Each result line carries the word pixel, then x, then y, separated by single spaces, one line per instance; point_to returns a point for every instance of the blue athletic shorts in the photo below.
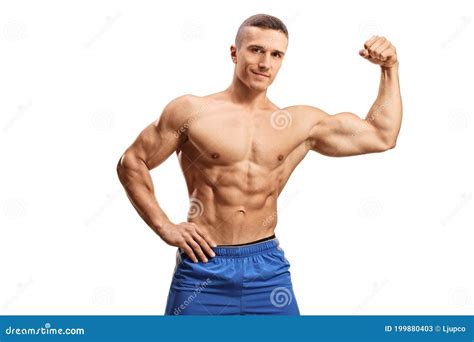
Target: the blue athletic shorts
pixel 243 280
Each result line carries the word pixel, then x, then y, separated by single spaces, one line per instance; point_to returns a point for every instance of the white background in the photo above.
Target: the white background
pixel 388 233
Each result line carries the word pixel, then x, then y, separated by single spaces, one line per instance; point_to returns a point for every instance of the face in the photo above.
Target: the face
pixel 259 57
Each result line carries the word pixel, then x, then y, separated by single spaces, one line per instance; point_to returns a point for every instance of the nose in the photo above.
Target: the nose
pixel 264 63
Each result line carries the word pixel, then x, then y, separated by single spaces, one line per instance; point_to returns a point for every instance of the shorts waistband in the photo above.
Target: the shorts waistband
pixel 240 251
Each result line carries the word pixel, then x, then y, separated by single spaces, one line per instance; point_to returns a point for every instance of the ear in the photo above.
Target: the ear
pixel 233 53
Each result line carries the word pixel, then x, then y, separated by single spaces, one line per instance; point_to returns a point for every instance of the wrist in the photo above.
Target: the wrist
pixel 160 226
pixel 391 68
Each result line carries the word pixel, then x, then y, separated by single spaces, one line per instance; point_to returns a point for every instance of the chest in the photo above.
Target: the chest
pixel 227 138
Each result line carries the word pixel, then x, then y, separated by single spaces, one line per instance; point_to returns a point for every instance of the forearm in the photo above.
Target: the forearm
pixel 136 180
pixel 386 112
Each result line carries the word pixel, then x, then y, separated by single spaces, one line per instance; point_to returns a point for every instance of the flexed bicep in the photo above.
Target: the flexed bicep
pixel 345 134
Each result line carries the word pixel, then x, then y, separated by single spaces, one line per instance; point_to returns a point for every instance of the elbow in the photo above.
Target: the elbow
pixel 129 164
pixel 120 168
pixel 388 141
pixel 120 162
pixel 391 144
pixel 120 172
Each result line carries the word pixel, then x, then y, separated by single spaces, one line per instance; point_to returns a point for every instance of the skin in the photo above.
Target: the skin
pixel 237 149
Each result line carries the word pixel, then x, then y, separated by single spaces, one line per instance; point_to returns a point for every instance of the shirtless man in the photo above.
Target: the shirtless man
pixel 237 150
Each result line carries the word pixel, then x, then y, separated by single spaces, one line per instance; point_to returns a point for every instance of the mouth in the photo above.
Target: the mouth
pixel 260 74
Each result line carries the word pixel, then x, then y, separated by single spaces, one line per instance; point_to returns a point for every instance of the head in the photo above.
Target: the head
pixel 260 45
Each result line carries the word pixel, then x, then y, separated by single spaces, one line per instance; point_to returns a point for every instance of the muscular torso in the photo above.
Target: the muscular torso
pixel 236 163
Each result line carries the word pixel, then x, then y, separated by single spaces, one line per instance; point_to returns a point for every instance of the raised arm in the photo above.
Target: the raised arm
pixel 346 134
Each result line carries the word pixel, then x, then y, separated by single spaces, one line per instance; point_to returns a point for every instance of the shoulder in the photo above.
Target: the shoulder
pixel 181 109
pixel 183 105
pixel 305 113
pixel 305 110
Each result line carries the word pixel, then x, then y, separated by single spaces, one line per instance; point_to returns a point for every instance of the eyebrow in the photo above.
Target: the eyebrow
pixel 263 47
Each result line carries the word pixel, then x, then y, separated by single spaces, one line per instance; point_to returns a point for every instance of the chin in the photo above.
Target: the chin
pixel 258 86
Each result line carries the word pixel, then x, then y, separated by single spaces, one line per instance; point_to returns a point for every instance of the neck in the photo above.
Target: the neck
pixel 246 97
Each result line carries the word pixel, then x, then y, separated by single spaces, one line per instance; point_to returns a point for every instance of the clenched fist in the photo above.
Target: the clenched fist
pixel 380 51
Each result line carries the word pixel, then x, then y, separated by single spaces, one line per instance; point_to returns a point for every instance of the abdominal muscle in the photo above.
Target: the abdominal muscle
pixel 232 204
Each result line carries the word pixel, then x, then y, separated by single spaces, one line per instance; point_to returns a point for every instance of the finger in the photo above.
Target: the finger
pixel 390 51
pixel 377 52
pixel 364 53
pixel 372 59
pixel 204 245
pixel 188 250
pixel 202 233
pixel 369 42
pixel 377 43
pixel 386 53
pixel 206 237
pixel 373 48
pixel 391 54
pixel 382 47
pixel 197 249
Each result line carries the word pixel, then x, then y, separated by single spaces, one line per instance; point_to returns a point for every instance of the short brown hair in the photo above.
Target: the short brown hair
pixel 263 21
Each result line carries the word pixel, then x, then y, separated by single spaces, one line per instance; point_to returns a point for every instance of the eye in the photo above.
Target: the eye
pixel 256 49
pixel 276 54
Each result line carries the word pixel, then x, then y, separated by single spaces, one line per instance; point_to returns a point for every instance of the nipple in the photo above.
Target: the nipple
pixel 280 156
pixel 215 155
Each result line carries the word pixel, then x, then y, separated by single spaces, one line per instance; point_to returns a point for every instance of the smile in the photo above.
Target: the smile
pixel 261 75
